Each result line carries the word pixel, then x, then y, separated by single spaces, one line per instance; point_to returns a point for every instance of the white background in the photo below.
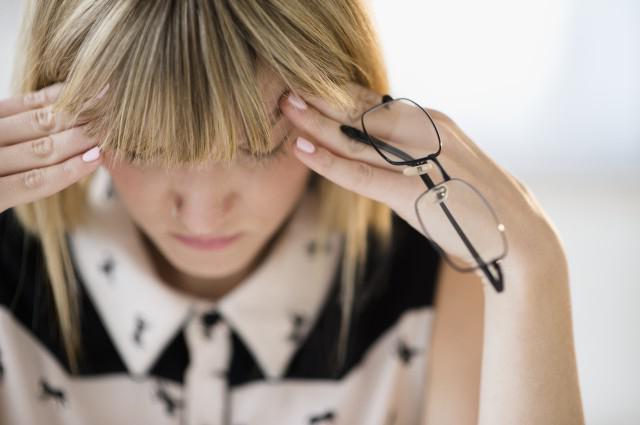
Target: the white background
pixel 550 90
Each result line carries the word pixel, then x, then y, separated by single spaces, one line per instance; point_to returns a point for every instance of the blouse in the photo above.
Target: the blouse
pixel 264 353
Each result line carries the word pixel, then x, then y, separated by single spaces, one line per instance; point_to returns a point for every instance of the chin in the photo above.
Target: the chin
pixel 209 264
pixel 210 271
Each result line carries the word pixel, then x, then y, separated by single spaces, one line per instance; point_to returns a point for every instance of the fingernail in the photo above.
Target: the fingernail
pixel 305 145
pixel 92 154
pixel 297 101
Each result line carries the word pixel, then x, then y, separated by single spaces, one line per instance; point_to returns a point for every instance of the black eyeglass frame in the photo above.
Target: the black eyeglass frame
pixel 363 137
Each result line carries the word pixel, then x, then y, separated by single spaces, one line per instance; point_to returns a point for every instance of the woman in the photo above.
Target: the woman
pixel 188 237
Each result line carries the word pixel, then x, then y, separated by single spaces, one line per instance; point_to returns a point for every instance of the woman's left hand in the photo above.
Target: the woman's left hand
pixel 359 168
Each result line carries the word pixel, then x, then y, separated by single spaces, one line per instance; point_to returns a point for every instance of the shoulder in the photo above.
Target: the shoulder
pixel 21 264
pixel 11 244
pixel 395 284
pixel 27 298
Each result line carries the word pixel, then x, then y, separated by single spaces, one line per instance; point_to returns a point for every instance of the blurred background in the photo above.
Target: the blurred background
pixel 550 90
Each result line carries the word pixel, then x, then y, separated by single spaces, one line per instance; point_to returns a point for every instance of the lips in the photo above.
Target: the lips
pixel 210 243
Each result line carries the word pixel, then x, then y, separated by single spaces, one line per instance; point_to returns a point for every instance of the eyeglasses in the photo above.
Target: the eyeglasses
pixel 452 213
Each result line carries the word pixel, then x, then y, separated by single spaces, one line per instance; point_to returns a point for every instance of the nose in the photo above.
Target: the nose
pixel 205 201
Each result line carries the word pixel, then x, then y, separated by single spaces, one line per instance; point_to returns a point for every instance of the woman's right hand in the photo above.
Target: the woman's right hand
pixel 41 153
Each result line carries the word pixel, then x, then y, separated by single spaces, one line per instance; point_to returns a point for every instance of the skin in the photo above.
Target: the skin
pixel 254 197
pixel 41 154
pixel 528 366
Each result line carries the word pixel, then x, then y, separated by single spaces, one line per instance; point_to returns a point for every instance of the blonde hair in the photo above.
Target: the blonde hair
pixel 186 70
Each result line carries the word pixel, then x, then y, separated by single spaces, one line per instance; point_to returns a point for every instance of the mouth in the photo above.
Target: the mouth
pixel 208 243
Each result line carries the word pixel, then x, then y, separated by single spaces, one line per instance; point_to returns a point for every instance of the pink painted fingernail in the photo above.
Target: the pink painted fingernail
pixel 297 101
pixel 305 145
pixel 92 154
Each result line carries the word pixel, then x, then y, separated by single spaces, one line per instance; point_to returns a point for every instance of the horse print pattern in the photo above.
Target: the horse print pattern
pixel 298 322
pixel 107 267
pixel 406 353
pixel 48 391
pixel 313 246
pixel 171 404
pixel 208 320
pixel 146 341
pixel 328 417
pixel 220 374
pixel 141 326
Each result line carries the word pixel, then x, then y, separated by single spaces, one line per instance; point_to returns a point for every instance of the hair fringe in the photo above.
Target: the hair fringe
pixel 186 70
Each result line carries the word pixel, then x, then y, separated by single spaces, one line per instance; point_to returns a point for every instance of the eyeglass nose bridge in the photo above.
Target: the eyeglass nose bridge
pixel 417 170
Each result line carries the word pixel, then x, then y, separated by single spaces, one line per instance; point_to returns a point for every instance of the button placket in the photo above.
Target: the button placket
pixel 209 342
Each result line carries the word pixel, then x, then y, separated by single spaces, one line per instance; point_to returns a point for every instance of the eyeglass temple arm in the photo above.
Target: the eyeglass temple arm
pixel 359 136
pixel 496 281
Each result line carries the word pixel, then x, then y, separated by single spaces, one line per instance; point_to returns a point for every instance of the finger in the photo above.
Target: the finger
pixel 38 183
pixel 44 151
pixel 390 188
pixel 405 123
pixel 31 100
pixel 363 98
pixel 326 131
pixel 33 124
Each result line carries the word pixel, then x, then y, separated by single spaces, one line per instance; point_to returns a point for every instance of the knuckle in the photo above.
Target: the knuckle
pixel 33 178
pixel 43 119
pixel 79 132
pixel 319 121
pixel 326 161
pixel 363 174
pixel 373 99
pixel 442 120
pixel 34 98
pixel 364 99
pixel 355 147
pixel 69 168
pixel 42 147
pixel 353 115
pixel 367 97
